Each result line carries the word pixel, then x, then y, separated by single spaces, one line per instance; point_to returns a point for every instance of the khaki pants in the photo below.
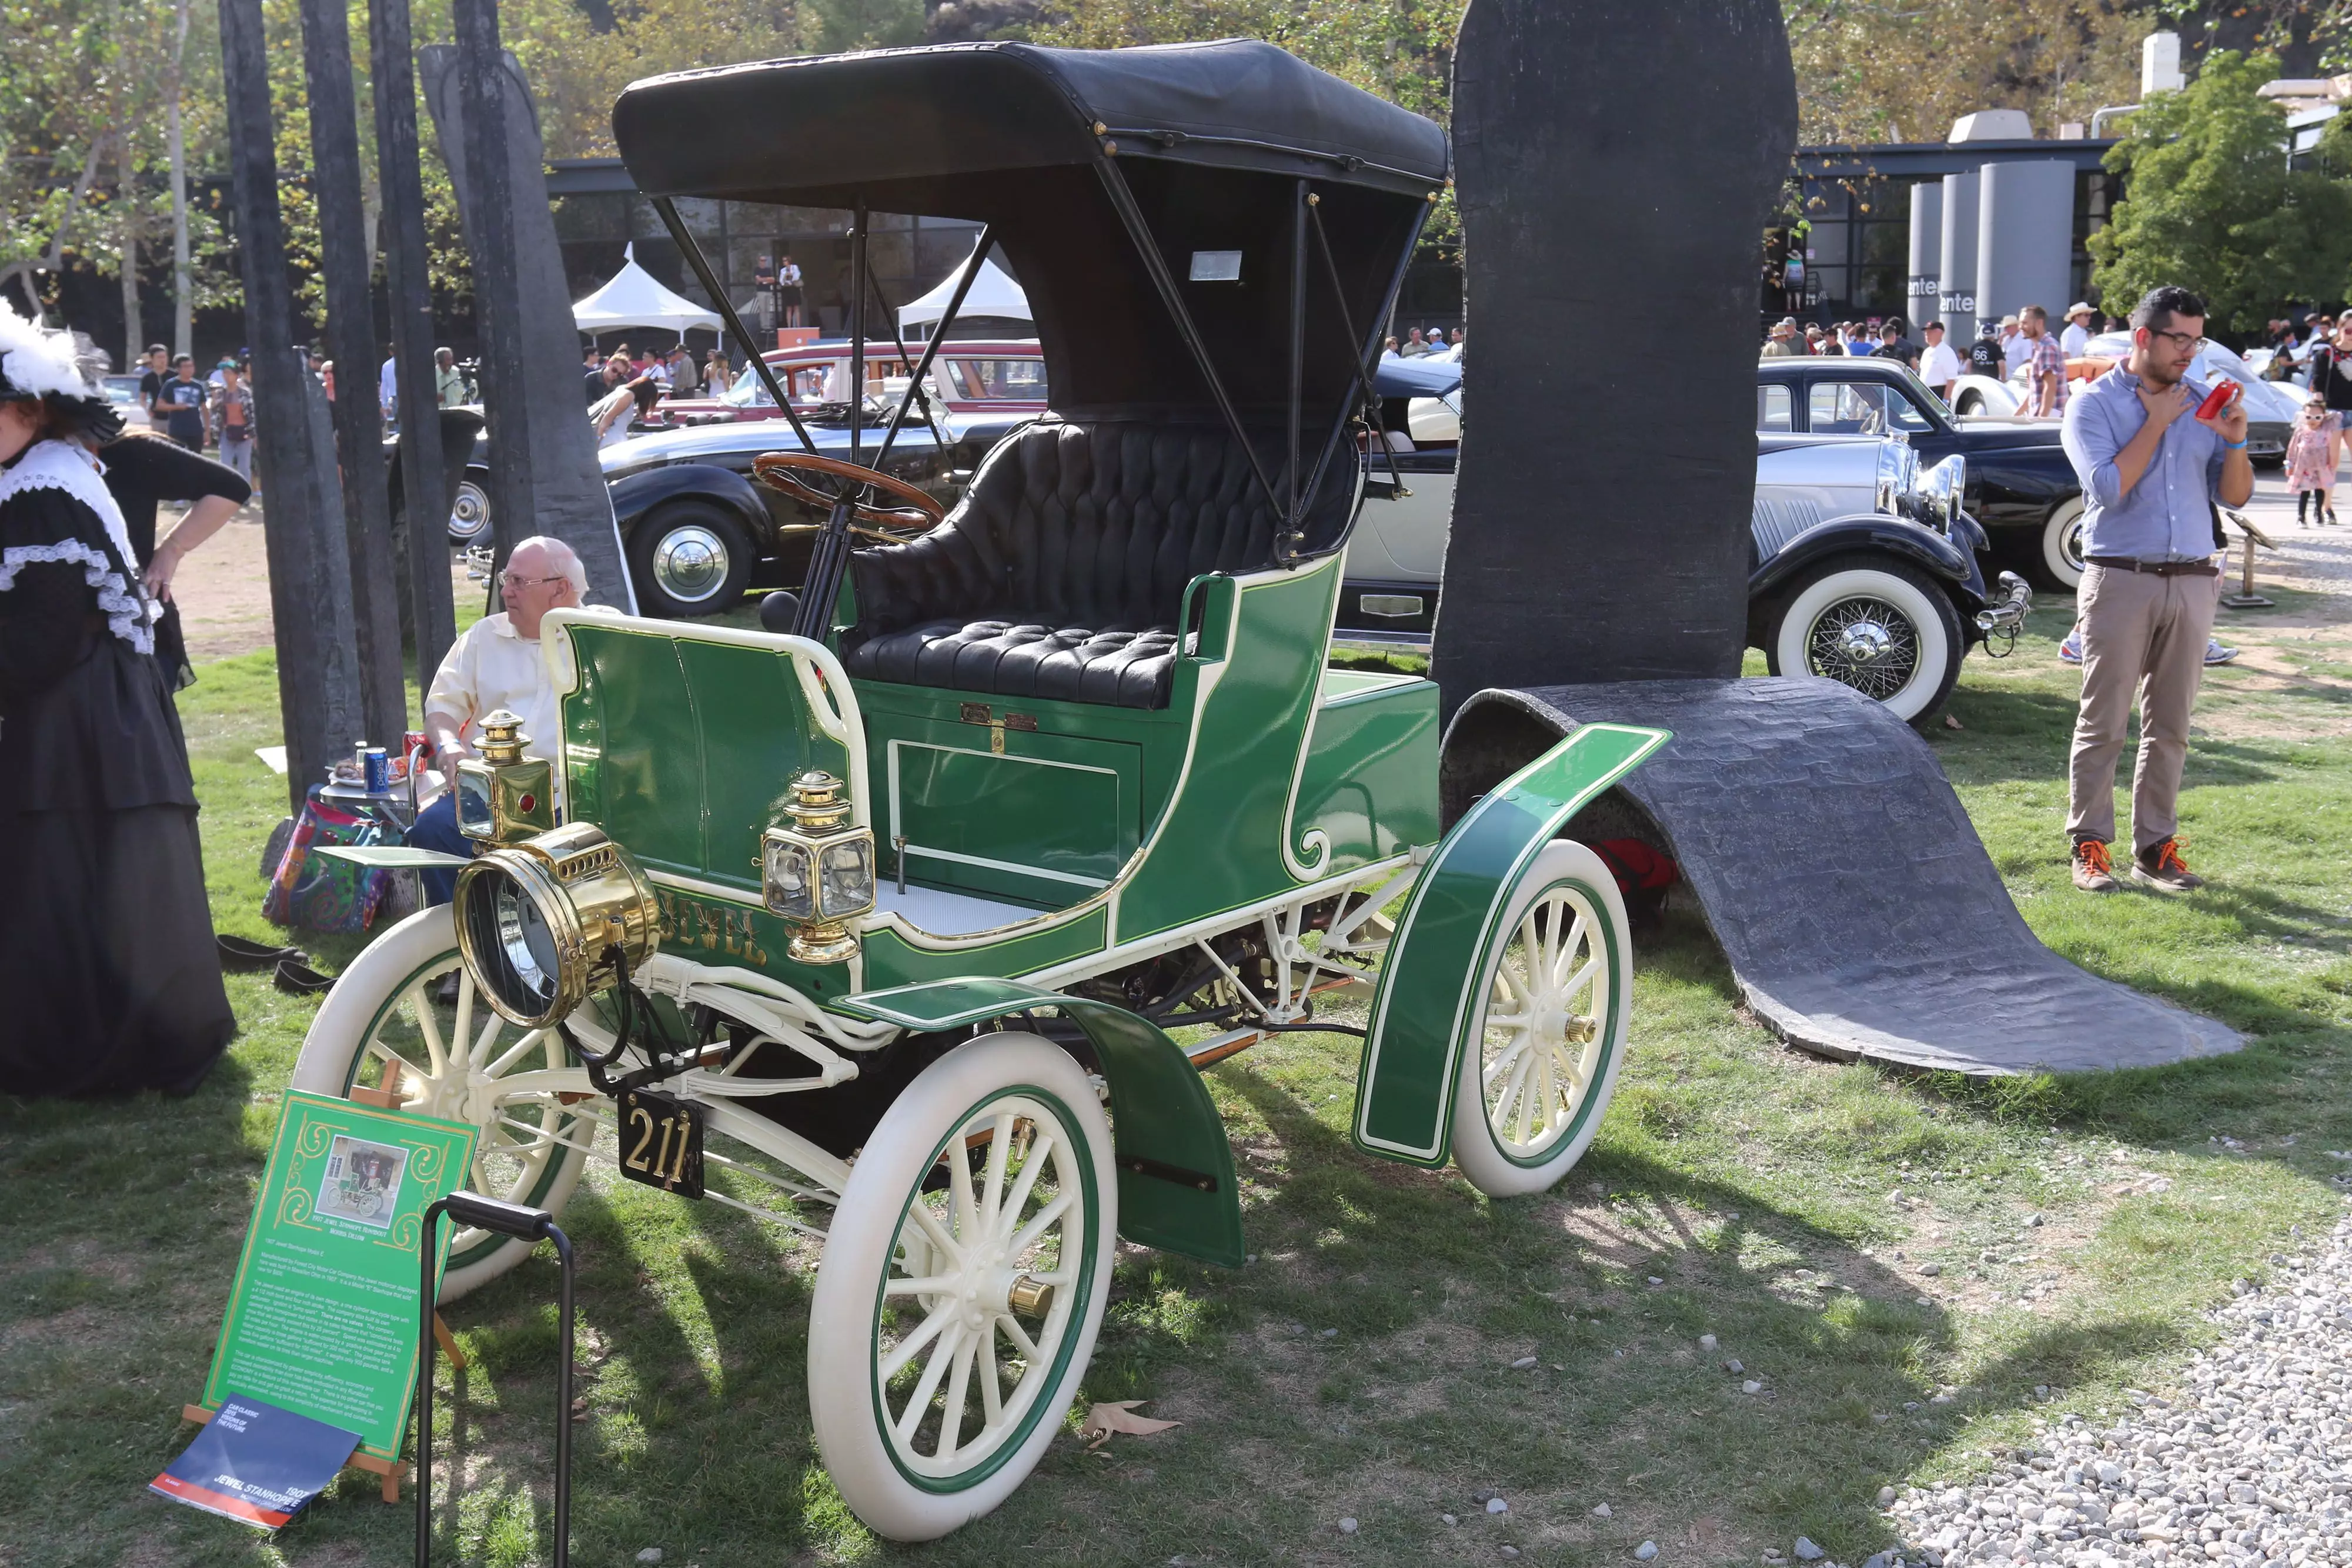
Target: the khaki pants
pixel 2145 635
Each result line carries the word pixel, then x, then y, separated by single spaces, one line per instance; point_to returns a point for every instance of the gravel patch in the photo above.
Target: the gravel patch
pixel 2250 1463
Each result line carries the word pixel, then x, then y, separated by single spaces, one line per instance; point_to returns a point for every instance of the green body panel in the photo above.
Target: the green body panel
pixel 1219 843
pixel 680 747
pixel 1047 821
pixel 1426 995
pixel 1369 785
pixel 1160 1111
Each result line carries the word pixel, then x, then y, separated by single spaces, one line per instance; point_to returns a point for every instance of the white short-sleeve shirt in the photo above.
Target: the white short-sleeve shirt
pixel 490 667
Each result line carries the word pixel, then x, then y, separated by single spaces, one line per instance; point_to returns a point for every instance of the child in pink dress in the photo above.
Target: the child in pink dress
pixel 2308 470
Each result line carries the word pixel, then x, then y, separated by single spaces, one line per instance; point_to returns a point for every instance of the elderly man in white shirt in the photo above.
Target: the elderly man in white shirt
pixel 495 663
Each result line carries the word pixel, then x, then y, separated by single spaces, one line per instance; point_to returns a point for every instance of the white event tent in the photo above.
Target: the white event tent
pixel 992 294
pixel 635 298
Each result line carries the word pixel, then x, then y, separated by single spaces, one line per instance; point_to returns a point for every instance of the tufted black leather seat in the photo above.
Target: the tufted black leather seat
pixel 1061 572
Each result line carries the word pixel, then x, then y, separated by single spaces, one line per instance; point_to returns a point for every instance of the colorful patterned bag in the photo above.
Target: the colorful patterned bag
pixel 321 893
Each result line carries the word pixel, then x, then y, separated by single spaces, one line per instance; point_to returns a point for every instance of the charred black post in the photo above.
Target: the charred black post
pixel 422 484
pixel 498 302
pixel 318 682
pixel 544 476
pixel 1600 521
pixel 350 339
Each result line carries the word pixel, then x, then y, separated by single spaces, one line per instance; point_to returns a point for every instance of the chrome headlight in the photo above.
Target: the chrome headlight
pixel 817 873
pixel 1898 476
pixel 544 922
pixel 1937 494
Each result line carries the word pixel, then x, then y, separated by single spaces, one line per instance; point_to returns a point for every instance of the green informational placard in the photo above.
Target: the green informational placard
pixel 322 1318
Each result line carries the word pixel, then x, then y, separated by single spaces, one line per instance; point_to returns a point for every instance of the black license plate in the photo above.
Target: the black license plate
pixel 661 1141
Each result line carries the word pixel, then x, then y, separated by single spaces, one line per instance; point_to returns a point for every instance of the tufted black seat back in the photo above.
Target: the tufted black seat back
pixel 1075 543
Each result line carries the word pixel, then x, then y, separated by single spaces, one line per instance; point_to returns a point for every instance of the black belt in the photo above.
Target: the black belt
pixel 2156 567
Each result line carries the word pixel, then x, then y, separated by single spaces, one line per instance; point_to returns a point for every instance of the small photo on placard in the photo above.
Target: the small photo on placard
pixel 1216 267
pixel 362 1182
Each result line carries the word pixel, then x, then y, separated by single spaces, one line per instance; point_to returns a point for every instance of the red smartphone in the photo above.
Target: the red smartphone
pixel 2217 399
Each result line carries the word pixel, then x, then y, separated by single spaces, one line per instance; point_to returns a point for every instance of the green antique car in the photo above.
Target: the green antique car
pixel 912 924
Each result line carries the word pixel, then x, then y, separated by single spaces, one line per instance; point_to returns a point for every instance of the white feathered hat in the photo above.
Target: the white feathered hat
pixel 36 363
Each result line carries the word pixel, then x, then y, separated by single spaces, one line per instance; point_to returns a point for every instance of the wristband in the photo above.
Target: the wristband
pixel 2234 445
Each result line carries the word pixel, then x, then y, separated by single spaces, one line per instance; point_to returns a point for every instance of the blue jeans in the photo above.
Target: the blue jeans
pixel 435 828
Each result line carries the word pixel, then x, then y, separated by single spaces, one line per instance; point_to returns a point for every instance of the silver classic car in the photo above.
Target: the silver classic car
pixel 1862 565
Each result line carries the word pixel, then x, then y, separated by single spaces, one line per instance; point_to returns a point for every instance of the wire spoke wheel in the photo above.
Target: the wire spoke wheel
pixel 1542 1041
pixel 1867 644
pixel 964 1280
pixel 389 1025
pixel 1545 1039
pixel 978 1300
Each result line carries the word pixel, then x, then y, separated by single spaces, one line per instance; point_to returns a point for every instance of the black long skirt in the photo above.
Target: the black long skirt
pixel 110 982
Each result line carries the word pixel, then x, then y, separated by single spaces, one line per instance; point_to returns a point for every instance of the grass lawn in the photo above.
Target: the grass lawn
pixel 1361 1365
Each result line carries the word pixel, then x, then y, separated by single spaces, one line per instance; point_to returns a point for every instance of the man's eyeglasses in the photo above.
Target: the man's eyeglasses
pixel 508 579
pixel 2180 340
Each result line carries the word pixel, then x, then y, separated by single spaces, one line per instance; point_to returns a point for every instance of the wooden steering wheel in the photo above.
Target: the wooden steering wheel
pixel 921 511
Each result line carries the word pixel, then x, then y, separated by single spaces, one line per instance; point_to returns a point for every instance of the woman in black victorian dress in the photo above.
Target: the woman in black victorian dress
pixel 108 975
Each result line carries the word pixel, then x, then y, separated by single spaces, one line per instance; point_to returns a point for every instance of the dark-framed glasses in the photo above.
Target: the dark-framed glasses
pixel 2180 340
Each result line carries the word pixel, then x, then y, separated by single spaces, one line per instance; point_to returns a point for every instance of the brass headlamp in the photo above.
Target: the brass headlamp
pixel 817 872
pixel 505 796
pixel 544 922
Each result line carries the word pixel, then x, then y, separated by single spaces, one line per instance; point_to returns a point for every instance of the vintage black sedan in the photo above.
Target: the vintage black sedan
pixel 2022 489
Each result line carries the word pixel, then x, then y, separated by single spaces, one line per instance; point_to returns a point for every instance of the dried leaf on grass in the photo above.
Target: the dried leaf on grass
pixel 1118 1415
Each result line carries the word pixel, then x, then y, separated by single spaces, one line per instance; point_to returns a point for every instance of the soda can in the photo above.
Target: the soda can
pixel 375 769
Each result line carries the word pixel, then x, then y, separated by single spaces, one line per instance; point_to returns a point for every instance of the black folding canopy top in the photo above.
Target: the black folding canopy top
pixel 1212 150
pixel 808 131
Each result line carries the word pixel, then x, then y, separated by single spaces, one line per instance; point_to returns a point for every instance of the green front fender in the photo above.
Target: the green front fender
pixel 1176 1184
pixel 1422 1010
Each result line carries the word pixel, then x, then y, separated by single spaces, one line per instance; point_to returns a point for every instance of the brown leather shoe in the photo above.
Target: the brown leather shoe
pixel 2159 866
pixel 2094 871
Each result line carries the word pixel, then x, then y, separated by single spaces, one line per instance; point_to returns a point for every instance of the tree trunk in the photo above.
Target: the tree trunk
pixel 129 262
pixel 351 339
pixel 183 303
pixel 309 578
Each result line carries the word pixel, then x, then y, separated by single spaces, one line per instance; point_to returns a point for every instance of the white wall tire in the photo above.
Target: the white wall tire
pixel 1877 626
pixel 889 1360
pixel 1542 1059
pixel 380 1023
pixel 2062 546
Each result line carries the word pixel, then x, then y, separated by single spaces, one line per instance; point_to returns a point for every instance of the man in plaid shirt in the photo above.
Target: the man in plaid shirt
pixel 2045 364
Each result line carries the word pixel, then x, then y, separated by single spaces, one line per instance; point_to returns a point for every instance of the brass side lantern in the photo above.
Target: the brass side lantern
pixel 504 796
pixel 817 872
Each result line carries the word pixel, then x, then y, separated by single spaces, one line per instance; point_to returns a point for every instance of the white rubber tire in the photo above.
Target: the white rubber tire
pixel 876 1473
pixel 1936 623
pixel 2063 572
pixel 415 953
pixel 1563 875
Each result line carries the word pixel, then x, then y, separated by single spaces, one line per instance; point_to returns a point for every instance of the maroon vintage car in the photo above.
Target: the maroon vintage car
pixel 981 377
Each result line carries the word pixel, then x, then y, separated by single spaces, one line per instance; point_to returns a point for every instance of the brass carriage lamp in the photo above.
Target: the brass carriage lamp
pixel 817 872
pixel 504 796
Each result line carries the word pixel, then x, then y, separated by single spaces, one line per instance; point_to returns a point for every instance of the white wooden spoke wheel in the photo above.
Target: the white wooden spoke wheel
pixel 381 1027
pixel 962 1286
pixel 1541 1060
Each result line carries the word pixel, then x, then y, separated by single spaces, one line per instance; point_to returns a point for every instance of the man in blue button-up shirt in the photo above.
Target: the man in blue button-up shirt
pixel 2150 470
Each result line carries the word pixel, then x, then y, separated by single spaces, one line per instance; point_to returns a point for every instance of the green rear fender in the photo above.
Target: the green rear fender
pixel 1424 1004
pixel 1176 1185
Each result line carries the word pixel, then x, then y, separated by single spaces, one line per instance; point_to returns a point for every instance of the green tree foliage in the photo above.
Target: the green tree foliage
pixel 1903 70
pixel 2211 204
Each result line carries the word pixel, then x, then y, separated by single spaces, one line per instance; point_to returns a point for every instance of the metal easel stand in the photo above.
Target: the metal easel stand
pixel 529 1225
pixel 2246 598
